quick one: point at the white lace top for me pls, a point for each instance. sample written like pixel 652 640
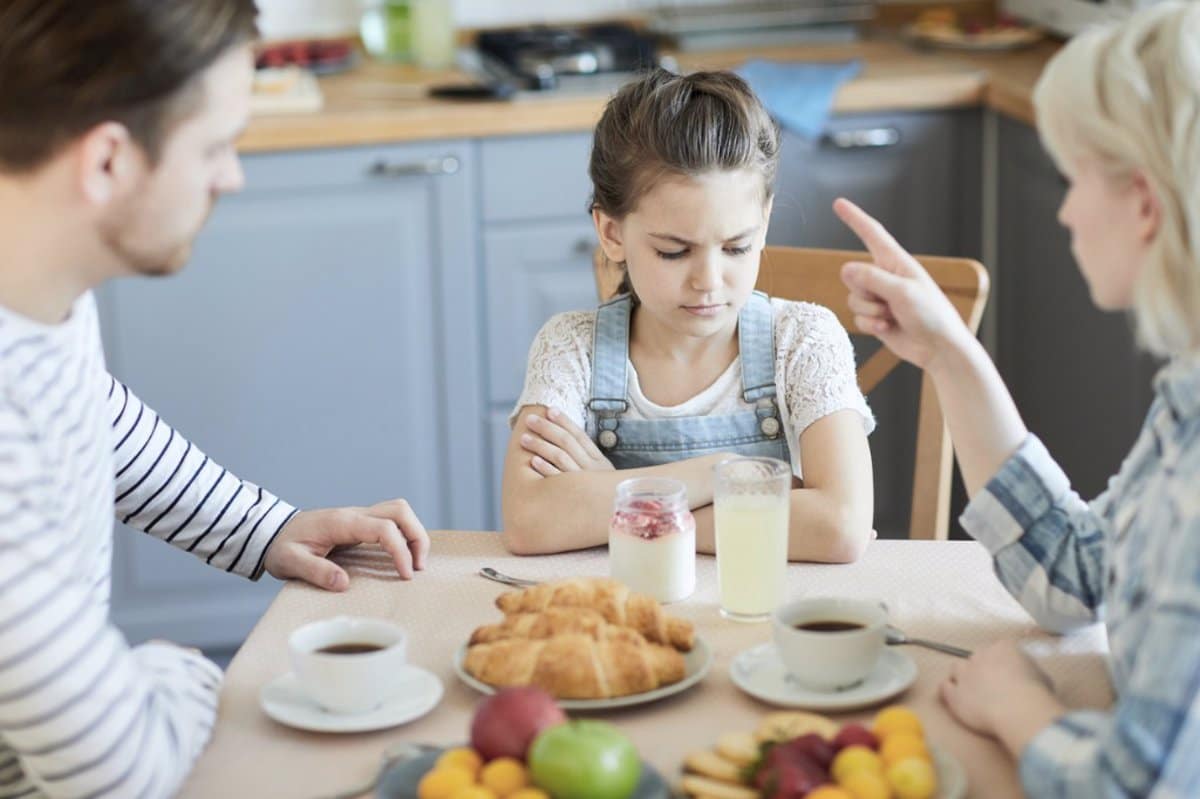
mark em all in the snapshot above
pixel 814 373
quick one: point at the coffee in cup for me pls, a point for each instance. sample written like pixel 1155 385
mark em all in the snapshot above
pixel 829 643
pixel 348 664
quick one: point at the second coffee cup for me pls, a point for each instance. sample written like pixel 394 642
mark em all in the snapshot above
pixel 829 643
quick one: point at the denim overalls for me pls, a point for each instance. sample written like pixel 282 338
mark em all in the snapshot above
pixel 630 443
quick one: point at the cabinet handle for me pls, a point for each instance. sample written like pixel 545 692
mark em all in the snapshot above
pixel 444 165
pixel 863 138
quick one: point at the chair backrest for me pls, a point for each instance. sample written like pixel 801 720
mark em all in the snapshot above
pixel 795 273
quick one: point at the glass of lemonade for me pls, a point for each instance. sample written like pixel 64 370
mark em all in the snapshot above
pixel 751 497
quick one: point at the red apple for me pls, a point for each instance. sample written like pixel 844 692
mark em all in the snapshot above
pixel 855 734
pixel 506 723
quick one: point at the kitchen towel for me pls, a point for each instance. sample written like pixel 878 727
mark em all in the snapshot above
pixel 798 94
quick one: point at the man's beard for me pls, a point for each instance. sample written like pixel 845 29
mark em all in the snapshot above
pixel 136 258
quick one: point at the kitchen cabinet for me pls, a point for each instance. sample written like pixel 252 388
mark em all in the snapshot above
pixel 920 175
pixel 1078 380
pixel 311 345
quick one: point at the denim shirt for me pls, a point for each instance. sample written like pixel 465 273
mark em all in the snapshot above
pixel 1130 558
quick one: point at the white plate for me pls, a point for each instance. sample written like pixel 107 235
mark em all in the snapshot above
pixel 696 665
pixel 759 672
pixel 952 777
pixel 284 700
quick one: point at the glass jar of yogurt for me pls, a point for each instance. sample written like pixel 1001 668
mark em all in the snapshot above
pixel 652 538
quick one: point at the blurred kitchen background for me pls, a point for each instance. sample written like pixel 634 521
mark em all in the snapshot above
pixel 354 325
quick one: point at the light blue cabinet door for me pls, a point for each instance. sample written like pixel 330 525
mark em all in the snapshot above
pixel 531 273
pixel 302 348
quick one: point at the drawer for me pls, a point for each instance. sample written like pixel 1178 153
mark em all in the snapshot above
pixel 536 177
pixel 530 274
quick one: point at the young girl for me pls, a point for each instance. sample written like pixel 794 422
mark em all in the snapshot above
pixel 689 366
pixel 1119 110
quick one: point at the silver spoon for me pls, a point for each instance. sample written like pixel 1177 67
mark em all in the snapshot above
pixel 896 636
pixel 516 582
pixel 391 756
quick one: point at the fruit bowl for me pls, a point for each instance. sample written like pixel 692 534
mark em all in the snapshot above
pixel 401 780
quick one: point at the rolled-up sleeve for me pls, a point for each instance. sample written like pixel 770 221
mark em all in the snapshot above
pixel 1048 545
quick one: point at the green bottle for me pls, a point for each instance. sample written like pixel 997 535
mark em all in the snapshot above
pixel 386 29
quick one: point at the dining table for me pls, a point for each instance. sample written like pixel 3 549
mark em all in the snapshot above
pixel 942 590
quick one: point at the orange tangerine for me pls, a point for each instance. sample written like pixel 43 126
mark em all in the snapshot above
pixel 504 775
pixel 867 785
pixel 463 757
pixel 441 783
pixel 473 792
pixel 900 745
pixel 897 718
pixel 853 759
pixel 912 778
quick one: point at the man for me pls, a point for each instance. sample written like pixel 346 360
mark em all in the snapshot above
pixel 118 124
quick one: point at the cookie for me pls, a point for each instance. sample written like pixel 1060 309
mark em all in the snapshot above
pixel 787 725
pixel 711 764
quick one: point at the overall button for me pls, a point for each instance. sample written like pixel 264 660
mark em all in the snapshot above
pixel 769 427
pixel 608 439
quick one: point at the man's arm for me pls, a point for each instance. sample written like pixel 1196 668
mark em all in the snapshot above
pixel 168 487
pixel 86 714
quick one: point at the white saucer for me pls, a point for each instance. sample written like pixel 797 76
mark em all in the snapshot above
pixel 759 672
pixel 284 700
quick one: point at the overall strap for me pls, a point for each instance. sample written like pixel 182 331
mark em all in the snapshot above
pixel 610 358
pixel 756 346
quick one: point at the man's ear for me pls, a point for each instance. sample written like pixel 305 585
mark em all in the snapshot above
pixel 109 163
pixel 608 232
pixel 1149 208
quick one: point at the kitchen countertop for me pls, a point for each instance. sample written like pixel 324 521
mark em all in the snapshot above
pixel 379 103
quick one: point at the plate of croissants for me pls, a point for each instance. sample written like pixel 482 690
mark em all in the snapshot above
pixel 590 642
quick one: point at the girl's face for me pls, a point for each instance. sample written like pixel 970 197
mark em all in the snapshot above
pixel 692 247
pixel 1112 224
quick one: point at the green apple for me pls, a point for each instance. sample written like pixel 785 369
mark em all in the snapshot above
pixel 584 759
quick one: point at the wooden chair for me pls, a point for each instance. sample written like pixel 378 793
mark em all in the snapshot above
pixel 795 273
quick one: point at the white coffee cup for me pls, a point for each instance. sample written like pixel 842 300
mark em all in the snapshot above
pixel 350 683
pixel 824 660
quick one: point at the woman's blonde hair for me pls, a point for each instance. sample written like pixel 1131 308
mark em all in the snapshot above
pixel 1128 95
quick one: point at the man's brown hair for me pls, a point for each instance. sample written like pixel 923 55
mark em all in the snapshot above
pixel 67 66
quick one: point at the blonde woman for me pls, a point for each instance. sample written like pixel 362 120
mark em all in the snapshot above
pixel 1119 110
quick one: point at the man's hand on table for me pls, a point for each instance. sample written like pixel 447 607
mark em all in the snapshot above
pixel 300 550
pixel 1000 692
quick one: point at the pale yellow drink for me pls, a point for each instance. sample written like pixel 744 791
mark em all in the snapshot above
pixel 751 497
pixel 752 537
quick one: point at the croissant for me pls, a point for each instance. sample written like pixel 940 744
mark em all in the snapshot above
pixel 577 666
pixel 612 600
pixel 550 622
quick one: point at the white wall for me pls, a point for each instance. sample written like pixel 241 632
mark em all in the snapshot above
pixel 289 18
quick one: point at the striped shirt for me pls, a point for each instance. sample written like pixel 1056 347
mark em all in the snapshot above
pixel 1131 559
pixel 81 712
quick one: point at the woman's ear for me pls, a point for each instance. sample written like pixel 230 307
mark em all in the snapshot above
pixel 1149 208
pixel 608 232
